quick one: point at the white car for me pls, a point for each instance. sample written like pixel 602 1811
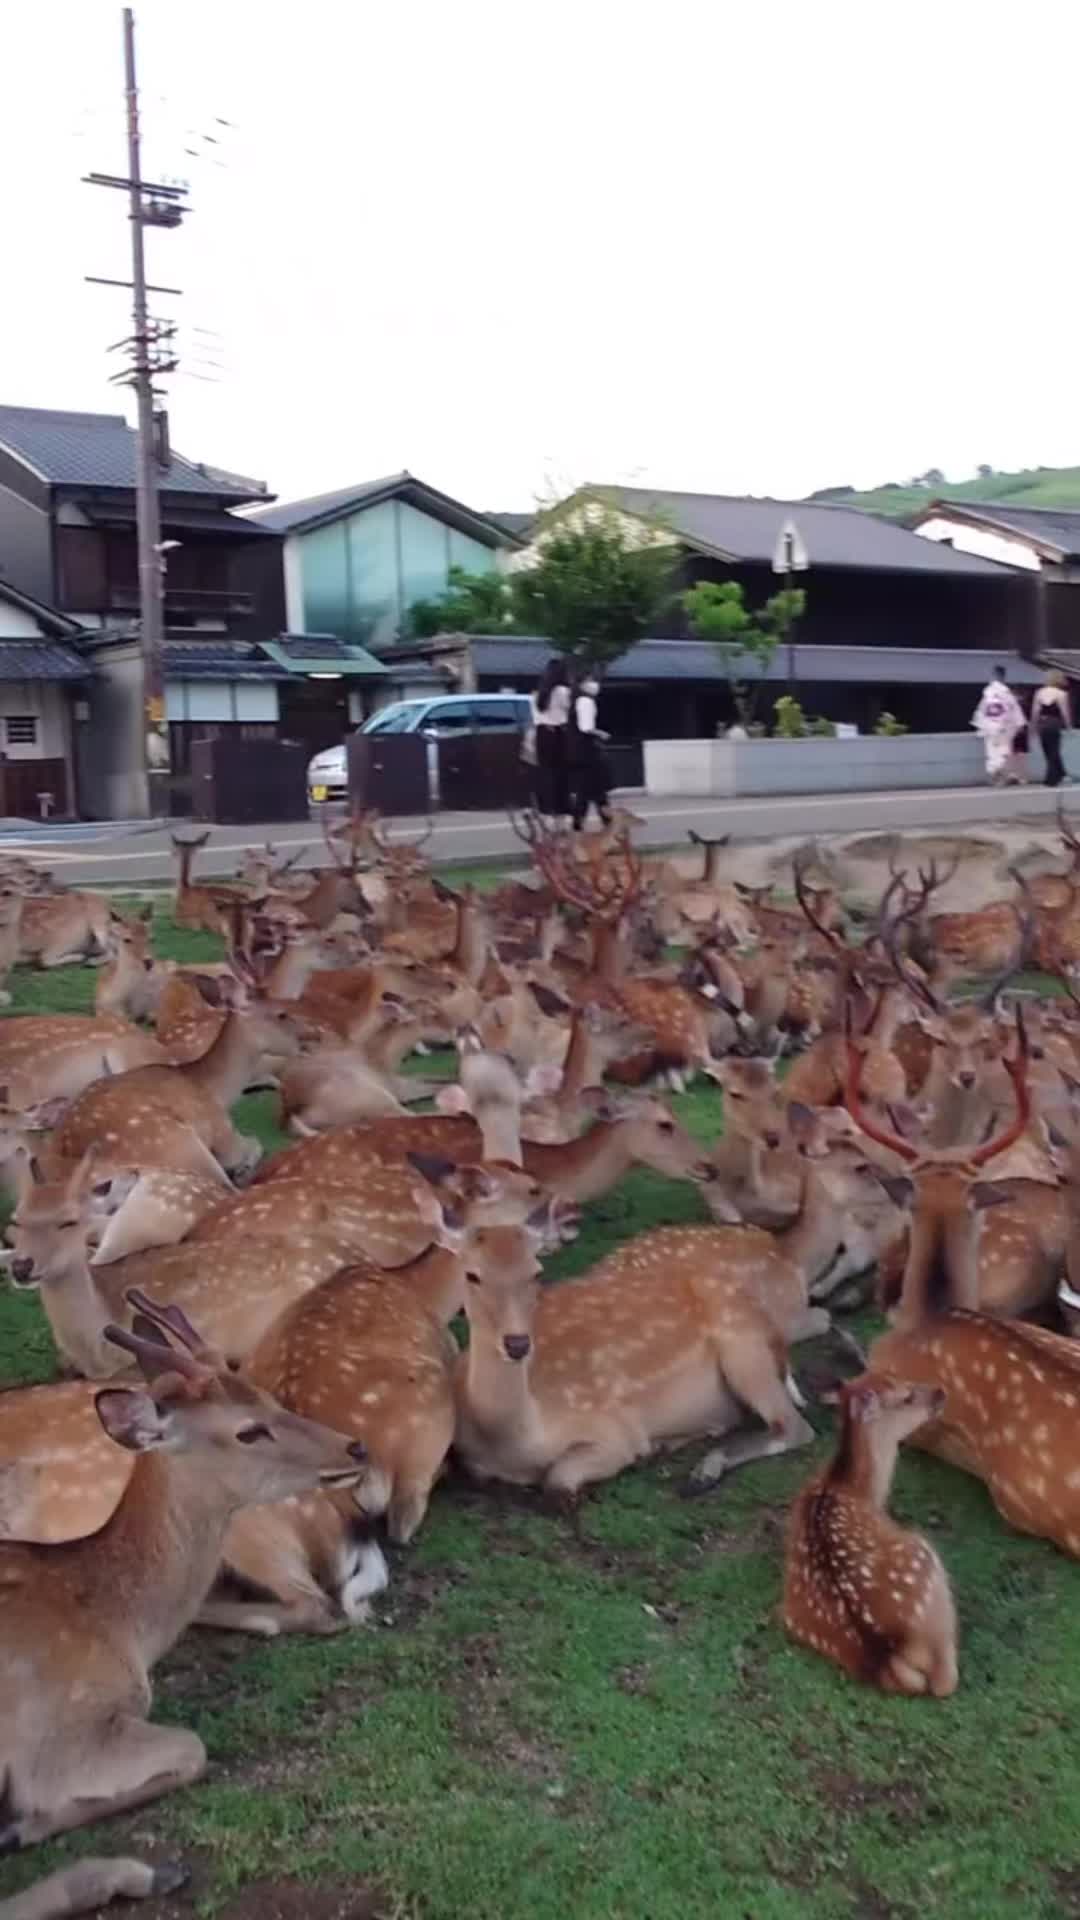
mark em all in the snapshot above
pixel 437 718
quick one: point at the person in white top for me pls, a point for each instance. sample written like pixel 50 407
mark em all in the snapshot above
pixel 1051 713
pixel 551 716
pixel 998 718
pixel 590 780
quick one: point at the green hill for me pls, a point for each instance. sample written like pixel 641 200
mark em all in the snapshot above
pixel 1033 487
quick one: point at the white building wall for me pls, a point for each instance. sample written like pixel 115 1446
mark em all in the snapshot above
pixel 982 541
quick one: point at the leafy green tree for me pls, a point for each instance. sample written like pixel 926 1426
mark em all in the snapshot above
pixel 595 588
pixel 717 611
pixel 472 603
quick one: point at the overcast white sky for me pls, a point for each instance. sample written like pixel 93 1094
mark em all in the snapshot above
pixel 733 245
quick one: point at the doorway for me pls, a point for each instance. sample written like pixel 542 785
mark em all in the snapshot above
pixel 314 712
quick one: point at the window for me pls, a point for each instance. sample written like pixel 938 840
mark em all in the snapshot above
pixel 21 729
pixel 501 716
pixel 399 718
pixel 448 719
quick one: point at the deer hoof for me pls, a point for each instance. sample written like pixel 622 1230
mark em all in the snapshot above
pixel 706 1475
pixel 169 1878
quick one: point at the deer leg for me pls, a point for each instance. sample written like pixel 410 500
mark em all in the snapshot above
pixel 91 1884
pixel 128 1763
pixel 306 1613
pixel 750 1373
pixel 597 1459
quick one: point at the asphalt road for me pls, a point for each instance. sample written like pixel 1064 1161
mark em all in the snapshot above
pixel 111 854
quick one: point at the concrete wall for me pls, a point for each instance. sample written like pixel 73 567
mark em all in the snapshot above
pixel 732 768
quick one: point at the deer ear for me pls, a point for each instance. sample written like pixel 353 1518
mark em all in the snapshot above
pixel 547 1001
pixel 432 1167
pixel 134 1420
pixel 452 1100
pixel 987 1193
pixel 864 1403
pixel 801 1120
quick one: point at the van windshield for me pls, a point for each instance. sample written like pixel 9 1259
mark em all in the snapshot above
pixel 400 718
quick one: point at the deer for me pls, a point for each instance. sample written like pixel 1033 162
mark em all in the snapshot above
pixel 59 928
pixel 178 1116
pixel 150 1207
pixel 11 912
pixel 129 982
pixel 628 1131
pixel 76 1743
pixel 656 1346
pixel 999 1245
pixel 238 1290
pixel 200 909
pixel 1010 1414
pixel 858 1588
pixel 47 1057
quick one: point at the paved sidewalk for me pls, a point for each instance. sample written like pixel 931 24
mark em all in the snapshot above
pixel 113 855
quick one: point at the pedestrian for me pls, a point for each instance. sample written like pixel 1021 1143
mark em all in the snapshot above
pixel 1051 713
pixel 997 719
pixel 551 714
pixel 590 779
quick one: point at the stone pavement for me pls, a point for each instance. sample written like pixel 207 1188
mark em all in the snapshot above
pixel 136 855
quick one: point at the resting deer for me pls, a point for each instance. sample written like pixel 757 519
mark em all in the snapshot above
pixel 999 1245
pixel 1011 1415
pixel 200 909
pixel 56 1056
pixel 859 1589
pixel 11 912
pixel 178 1116
pixel 82 1625
pixel 64 927
pixel 130 981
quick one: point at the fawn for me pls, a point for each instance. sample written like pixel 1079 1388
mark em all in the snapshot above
pixel 81 1625
pixel 858 1588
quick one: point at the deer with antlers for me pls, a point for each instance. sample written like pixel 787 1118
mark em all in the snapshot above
pixel 859 1589
pixel 81 1625
pixel 999 1244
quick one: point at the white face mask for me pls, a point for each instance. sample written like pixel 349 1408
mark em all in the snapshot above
pixel 590 686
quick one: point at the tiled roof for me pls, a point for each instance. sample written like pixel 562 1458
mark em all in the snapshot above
pixel 699 661
pixel 49 619
pixel 40 660
pixel 98 450
pixel 220 660
pixel 293 516
pixel 737 528
pixel 1048 526
pixel 315 653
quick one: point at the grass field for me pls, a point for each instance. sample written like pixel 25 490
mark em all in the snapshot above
pixel 598 1717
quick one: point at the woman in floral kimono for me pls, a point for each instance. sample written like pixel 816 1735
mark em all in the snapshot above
pixel 998 719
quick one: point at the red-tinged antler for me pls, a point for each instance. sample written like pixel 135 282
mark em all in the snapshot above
pixel 603 890
pixel 832 938
pixel 1017 1069
pixel 889 929
pixel 853 1101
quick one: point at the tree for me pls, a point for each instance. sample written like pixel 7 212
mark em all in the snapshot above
pixel 984 470
pixel 597 587
pixel 717 611
pixel 472 603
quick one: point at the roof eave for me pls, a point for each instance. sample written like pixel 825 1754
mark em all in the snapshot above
pixel 964 515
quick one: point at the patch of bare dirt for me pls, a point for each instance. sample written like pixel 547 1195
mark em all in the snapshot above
pixel 483 1699
pixel 904 1800
pixel 1066 1884
pixel 872 1905
pixel 301 1900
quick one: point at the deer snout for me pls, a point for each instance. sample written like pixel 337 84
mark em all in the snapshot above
pixel 22 1270
pixel 771 1139
pixel 966 1078
pixel 517 1346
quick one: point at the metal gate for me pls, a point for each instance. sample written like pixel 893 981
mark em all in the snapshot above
pixel 482 770
pixel 244 781
pixel 388 771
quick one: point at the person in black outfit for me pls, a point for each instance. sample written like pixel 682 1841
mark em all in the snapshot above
pixel 590 780
pixel 1051 715
pixel 551 714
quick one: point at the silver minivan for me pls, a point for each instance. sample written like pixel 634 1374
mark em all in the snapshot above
pixel 439 717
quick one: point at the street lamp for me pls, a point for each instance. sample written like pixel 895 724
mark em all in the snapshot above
pixel 790 556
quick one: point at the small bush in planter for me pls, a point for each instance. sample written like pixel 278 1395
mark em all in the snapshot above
pixel 820 728
pixel 888 727
pixel 790 719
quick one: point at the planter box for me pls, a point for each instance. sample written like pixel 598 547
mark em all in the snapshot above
pixel 731 768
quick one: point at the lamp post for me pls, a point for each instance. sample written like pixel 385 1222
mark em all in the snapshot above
pixel 790 556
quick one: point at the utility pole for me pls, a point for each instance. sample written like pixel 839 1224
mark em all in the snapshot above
pixel 149 205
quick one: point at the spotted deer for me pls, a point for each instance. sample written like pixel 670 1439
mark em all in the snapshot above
pixel 199 909
pixel 11 912
pixel 59 928
pixel 129 982
pixel 178 1116
pixel 656 1346
pixel 994 1244
pixel 1011 1413
pixel 56 1056
pixel 75 1740
pixel 858 1588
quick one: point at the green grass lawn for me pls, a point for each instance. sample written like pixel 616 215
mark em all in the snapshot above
pixel 597 1717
